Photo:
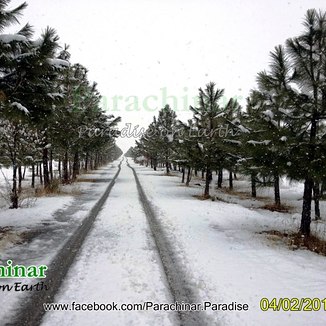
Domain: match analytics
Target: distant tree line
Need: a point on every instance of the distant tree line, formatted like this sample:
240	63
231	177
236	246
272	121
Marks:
44	101
280	132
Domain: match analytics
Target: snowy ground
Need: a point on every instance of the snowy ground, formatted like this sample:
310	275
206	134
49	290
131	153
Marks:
291	198
220	245
229	260
38	232
27	197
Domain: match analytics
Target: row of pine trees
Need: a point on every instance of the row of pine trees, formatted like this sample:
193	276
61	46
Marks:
280	132
49	110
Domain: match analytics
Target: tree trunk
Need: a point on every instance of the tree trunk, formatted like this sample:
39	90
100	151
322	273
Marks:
155	164
188	176
59	167
230	179
14	193
45	168
323	187
183	175
316	193
220	178
253	185
33	176
309	183
96	161
306	207
277	196
51	164
24	172
65	168
207	182
75	169
86	161
91	162
167	167
203	174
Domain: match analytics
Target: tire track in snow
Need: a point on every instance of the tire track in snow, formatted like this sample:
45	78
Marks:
179	286
32	312
119	262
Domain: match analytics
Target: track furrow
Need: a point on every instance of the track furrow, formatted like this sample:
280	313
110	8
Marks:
175	273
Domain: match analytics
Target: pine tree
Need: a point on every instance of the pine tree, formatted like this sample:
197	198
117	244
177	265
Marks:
166	127
205	118
187	153
308	56
148	145
269	136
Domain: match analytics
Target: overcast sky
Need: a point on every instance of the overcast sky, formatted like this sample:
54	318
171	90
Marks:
144	53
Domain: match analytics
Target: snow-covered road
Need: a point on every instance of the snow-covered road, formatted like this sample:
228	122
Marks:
117	263
217	247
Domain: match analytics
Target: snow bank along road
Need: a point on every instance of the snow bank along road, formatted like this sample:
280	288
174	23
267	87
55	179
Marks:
125	259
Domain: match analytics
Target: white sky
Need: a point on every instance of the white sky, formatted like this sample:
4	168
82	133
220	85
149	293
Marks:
147	50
